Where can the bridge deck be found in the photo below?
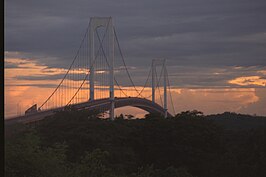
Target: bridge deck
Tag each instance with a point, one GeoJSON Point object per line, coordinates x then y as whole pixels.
{"type": "Point", "coordinates": [100, 104]}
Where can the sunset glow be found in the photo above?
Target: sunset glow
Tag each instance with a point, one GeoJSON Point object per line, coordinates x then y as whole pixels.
{"type": "Point", "coordinates": [21, 93]}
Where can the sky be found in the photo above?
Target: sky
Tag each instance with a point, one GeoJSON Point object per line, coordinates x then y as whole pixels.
{"type": "Point", "coordinates": [215, 50]}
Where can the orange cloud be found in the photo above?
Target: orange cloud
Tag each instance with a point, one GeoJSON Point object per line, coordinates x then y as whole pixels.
{"type": "Point", "coordinates": [214, 100]}
{"type": "Point", "coordinates": [249, 80]}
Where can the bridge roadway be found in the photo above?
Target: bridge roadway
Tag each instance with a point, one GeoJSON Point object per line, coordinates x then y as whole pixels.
{"type": "Point", "coordinates": [99, 104]}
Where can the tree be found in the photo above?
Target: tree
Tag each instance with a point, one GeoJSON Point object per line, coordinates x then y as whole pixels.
{"type": "Point", "coordinates": [129, 116]}
{"type": "Point", "coordinates": [190, 114]}
{"type": "Point", "coordinates": [25, 157]}
{"type": "Point", "coordinates": [93, 164]}
{"type": "Point", "coordinates": [153, 116]}
{"type": "Point", "coordinates": [121, 116]}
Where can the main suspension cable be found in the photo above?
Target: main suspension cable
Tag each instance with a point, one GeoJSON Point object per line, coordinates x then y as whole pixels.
{"type": "Point", "coordinates": [109, 64]}
{"type": "Point", "coordinates": [171, 98]}
{"type": "Point", "coordinates": [97, 54]}
{"type": "Point", "coordinates": [124, 63]}
{"type": "Point", "coordinates": [67, 70]}
{"type": "Point", "coordinates": [158, 82]}
{"type": "Point", "coordinates": [146, 82]}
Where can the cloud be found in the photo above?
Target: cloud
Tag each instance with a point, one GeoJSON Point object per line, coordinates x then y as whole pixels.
{"type": "Point", "coordinates": [215, 100]}
{"type": "Point", "coordinates": [40, 77]}
{"type": "Point", "coordinates": [256, 107]}
{"type": "Point", "coordinates": [31, 70]}
{"type": "Point", "coordinates": [251, 80]}
{"type": "Point", "coordinates": [186, 32]}
{"type": "Point", "coordinates": [10, 65]}
{"type": "Point", "coordinates": [212, 76]}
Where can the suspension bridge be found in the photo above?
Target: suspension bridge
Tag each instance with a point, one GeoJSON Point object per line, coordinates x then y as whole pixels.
{"type": "Point", "coordinates": [98, 79]}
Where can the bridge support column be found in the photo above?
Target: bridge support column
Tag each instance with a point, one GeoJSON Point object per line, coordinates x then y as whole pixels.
{"type": "Point", "coordinates": [107, 23]}
{"type": "Point", "coordinates": [111, 67]}
{"type": "Point", "coordinates": [165, 89]}
{"type": "Point", "coordinates": [161, 62]}
{"type": "Point", "coordinates": [92, 57]}
{"type": "Point", "coordinates": [153, 80]}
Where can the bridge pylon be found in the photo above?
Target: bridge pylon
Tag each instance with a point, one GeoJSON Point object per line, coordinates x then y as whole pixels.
{"type": "Point", "coordinates": [155, 63]}
{"type": "Point", "coordinates": [107, 23]}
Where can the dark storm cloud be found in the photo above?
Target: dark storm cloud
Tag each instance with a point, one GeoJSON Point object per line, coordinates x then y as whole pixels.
{"type": "Point", "coordinates": [203, 33]}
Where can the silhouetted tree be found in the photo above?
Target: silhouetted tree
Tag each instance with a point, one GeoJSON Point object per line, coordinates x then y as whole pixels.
{"type": "Point", "coordinates": [129, 116]}
{"type": "Point", "coordinates": [190, 114]}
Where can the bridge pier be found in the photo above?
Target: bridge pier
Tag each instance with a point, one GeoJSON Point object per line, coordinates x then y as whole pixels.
{"type": "Point", "coordinates": [112, 108]}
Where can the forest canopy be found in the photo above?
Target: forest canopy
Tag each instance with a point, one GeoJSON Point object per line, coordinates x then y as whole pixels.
{"type": "Point", "coordinates": [190, 144]}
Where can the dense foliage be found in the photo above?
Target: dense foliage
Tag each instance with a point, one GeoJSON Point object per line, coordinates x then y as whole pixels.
{"type": "Point", "coordinates": [190, 144]}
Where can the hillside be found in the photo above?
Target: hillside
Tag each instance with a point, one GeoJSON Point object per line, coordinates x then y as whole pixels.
{"type": "Point", "coordinates": [190, 144]}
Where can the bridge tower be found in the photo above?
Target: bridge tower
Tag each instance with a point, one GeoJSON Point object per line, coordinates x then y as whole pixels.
{"type": "Point", "coordinates": [107, 23]}
{"type": "Point", "coordinates": [155, 63]}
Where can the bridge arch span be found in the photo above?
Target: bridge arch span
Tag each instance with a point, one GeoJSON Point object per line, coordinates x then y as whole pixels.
{"type": "Point", "coordinates": [94, 105]}
{"type": "Point", "coordinates": [141, 103]}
